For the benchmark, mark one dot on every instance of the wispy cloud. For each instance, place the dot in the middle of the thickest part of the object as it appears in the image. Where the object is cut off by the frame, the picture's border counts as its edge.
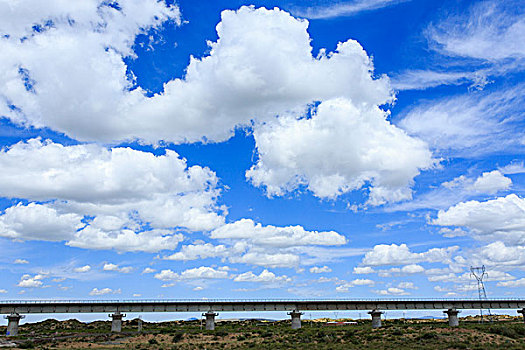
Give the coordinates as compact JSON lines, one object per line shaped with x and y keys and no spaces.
{"x":472,"y":124}
{"x":472,"y":47}
{"x":347,"y":8}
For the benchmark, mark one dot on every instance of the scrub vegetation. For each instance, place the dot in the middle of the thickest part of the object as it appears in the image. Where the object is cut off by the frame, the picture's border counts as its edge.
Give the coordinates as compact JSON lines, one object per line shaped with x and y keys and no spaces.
{"x":505,"y":332}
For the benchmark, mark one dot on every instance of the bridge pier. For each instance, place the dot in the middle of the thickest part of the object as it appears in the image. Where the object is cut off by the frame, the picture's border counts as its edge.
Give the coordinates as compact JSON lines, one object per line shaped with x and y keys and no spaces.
{"x":12,"y":324}
{"x":210,"y":320}
{"x":116,"y":322}
{"x":522,"y":311}
{"x":453,"y":320}
{"x":296,"y":319}
{"x":376,"y":318}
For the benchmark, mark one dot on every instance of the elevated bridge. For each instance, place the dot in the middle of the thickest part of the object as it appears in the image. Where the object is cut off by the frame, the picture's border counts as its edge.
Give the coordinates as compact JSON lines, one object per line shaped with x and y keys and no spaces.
{"x":210,"y":307}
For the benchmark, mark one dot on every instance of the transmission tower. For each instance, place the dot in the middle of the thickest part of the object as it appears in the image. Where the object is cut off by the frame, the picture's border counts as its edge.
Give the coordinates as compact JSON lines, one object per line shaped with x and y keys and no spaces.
{"x":479,"y":273}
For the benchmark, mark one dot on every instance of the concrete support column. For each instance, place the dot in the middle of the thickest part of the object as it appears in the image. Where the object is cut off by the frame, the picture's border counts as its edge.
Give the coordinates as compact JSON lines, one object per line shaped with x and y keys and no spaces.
{"x":296,"y":319}
{"x":376,"y":318}
{"x":210,"y":320}
{"x":453,"y":320}
{"x":116,"y":322}
{"x":12,"y":324}
{"x":522,"y":311}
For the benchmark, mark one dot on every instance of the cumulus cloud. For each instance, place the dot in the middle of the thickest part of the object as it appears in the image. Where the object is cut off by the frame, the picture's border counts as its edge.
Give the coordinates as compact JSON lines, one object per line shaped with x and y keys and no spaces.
{"x":203,"y":272}
{"x":401,"y":271}
{"x":28,"y":281}
{"x":148,"y":270}
{"x":512,"y":284}
{"x":317,"y":269}
{"x":100,"y":198}
{"x":265,"y":276}
{"x":358,"y":270}
{"x":273,"y":236}
{"x":407,"y":285}
{"x":85,"y":268}
{"x":20,"y":261}
{"x":459,"y":189}
{"x":198,"y":251}
{"x":394,"y":254}
{"x":306,"y":152}
{"x":104,"y":291}
{"x":488,"y":182}
{"x":257,"y":258}
{"x":392,"y":291}
{"x":116,"y":268}
{"x":498,"y":254}
{"x":343,"y":287}
{"x":250,"y":73}
{"x":500,"y":219}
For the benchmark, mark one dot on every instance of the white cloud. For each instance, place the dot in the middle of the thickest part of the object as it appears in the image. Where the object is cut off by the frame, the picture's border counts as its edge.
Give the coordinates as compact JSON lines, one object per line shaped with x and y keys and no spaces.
{"x":345,"y":8}
{"x":470,"y":124}
{"x":123,"y":189}
{"x":3,"y":291}
{"x":412,"y":268}
{"x":148,"y":270}
{"x":484,"y":41}
{"x":296,"y":152}
{"x":501,"y":219}
{"x":323,"y":269}
{"x":357,"y":282}
{"x":392,"y":291}
{"x":407,"y":285}
{"x":273,"y":236}
{"x":84,"y":268}
{"x":38,"y":222}
{"x":499,"y":255}
{"x":198,"y":251}
{"x":459,"y":189}
{"x":491,"y":182}
{"x":267,"y":259}
{"x":424,"y":79}
{"x":264,"y":277}
{"x":250,"y":73}
{"x":513,"y":168}
{"x":490,"y":31}
{"x":116,"y":268}
{"x":441,"y":289}
{"x":28,"y":281}
{"x":394,"y":254}
{"x":363,"y":270}
{"x":20,"y":261}
{"x":488,"y":182}
{"x":512,"y":284}
{"x":203,"y":272}
{"x":103,"y":291}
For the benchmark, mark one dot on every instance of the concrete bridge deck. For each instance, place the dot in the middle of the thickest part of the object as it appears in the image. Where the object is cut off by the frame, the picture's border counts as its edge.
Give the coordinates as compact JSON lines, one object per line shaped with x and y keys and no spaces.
{"x":14,"y":308}
{"x":228,"y":305}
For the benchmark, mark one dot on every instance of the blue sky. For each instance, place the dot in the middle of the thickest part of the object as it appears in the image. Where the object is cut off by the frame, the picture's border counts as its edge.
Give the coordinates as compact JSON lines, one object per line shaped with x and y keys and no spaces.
{"x":265,"y":149}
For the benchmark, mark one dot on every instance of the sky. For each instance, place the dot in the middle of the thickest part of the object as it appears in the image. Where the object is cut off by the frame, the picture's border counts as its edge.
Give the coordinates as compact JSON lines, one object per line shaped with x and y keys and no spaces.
{"x":260,"y":150}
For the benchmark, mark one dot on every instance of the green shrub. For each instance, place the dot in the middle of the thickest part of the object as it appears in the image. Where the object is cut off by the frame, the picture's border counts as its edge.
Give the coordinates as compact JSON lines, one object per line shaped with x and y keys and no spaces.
{"x":177,"y":337}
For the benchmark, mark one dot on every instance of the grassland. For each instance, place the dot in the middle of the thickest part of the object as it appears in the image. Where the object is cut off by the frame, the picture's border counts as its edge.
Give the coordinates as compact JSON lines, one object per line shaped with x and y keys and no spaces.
{"x":396,"y":334}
